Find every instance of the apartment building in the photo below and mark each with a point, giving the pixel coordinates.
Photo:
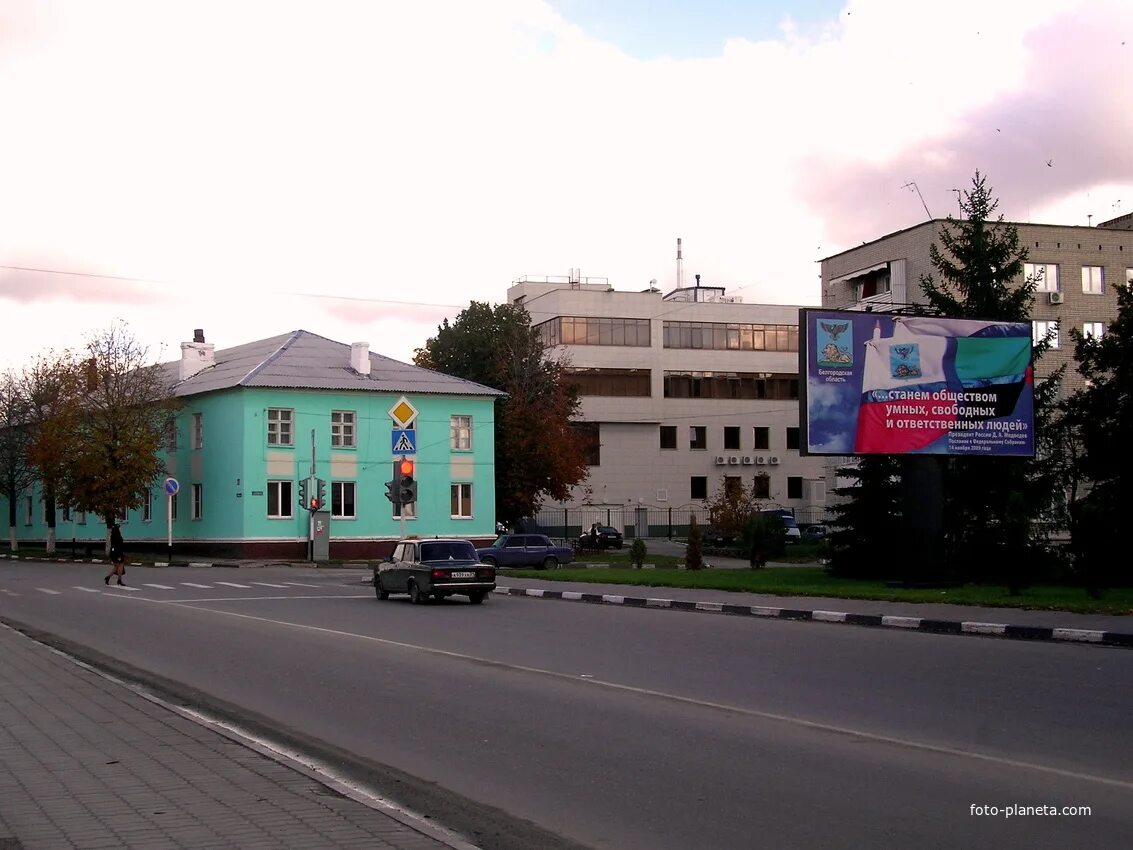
(1076, 268)
(683, 393)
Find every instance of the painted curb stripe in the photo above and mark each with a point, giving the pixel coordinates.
(901, 622)
(1084, 635)
(997, 629)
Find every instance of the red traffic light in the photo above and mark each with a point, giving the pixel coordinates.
(406, 466)
(314, 503)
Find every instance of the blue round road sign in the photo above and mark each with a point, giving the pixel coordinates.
(171, 487)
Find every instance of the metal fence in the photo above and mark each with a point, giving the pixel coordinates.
(636, 521)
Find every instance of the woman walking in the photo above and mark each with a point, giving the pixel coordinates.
(117, 554)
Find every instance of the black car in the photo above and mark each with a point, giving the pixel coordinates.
(608, 538)
(433, 569)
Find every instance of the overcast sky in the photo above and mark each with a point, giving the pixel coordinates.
(363, 170)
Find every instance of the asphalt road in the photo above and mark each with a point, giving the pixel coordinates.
(543, 722)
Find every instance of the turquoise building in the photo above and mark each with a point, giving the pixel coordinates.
(259, 419)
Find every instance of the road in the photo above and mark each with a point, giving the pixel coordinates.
(609, 727)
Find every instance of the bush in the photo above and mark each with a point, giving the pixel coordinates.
(764, 537)
(694, 557)
(637, 553)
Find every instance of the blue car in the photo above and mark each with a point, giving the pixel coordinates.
(525, 550)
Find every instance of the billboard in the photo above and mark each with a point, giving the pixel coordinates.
(883, 383)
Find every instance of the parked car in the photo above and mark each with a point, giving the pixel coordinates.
(715, 537)
(790, 525)
(434, 569)
(608, 538)
(815, 534)
(525, 550)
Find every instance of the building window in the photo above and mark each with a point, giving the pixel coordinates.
(279, 500)
(1041, 330)
(280, 427)
(147, 507)
(794, 487)
(731, 385)
(342, 499)
(761, 487)
(1129, 276)
(461, 498)
(1093, 330)
(793, 438)
(173, 507)
(1045, 276)
(197, 508)
(698, 487)
(698, 437)
(1092, 279)
(28, 511)
(198, 431)
(732, 437)
(762, 438)
(668, 436)
(721, 336)
(733, 486)
(593, 330)
(82, 517)
(66, 514)
(122, 515)
(616, 383)
(407, 511)
(460, 433)
(342, 429)
(171, 436)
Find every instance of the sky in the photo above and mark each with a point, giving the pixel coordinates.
(363, 170)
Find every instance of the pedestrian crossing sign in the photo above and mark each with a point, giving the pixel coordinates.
(404, 441)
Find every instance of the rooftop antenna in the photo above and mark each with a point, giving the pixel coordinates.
(1089, 220)
(680, 266)
(913, 183)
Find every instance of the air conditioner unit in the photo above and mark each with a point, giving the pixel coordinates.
(774, 459)
(721, 460)
(733, 460)
(1055, 297)
(747, 460)
(761, 459)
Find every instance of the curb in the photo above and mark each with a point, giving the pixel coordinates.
(919, 624)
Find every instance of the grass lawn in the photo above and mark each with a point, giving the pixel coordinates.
(808, 581)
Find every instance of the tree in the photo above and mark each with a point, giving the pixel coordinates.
(694, 552)
(733, 506)
(16, 473)
(1101, 415)
(867, 518)
(122, 416)
(538, 452)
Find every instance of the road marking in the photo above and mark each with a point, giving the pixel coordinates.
(45, 590)
(160, 586)
(298, 584)
(938, 749)
(10, 593)
(234, 584)
(86, 589)
(269, 584)
(125, 587)
(193, 584)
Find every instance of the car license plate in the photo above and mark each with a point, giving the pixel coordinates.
(462, 574)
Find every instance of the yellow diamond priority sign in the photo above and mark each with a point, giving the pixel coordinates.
(403, 413)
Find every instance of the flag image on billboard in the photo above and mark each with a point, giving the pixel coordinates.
(879, 383)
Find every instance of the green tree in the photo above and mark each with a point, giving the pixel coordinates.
(694, 551)
(539, 453)
(17, 475)
(122, 416)
(732, 507)
(637, 552)
(866, 519)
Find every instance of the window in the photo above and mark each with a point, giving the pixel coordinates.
(342, 499)
(698, 487)
(28, 511)
(408, 511)
(1129, 276)
(66, 517)
(761, 487)
(342, 429)
(147, 507)
(279, 500)
(593, 330)
(730, 385)
(461, 497)
(173, 507)
(794, 487)
(1041, 330)
(122, 514)
(1094, 330)
(732, 437)
(198, 431)
(171, 436)
(82, 517)
(721, 336)
(697, 437)
(280, 427)
(668, 436)
(733, 486)
(793, 438)
(615, 383)
(1044, 275)
(197, 508)
(460, 433)
(762, 438)
(1092, 279)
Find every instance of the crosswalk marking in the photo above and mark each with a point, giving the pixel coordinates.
(160, 586)
(125, 587)
(234, 584)
(300, 584)
(10, 593)
(86, 589)
(46, 590)
(194, 584)
(269, 584)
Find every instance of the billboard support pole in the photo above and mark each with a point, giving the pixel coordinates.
(922, 482)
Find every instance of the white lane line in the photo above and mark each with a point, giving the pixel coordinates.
(269, 584)
(193, 584)
(234, 584)
(299, 584)
(86, 589)
(160, 586)
(10, 593)
(46, 590)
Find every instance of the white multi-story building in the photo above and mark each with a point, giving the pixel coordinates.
(684, 394)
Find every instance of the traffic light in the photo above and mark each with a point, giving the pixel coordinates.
(322, 493)
(303, 492)
(391, 491)
(407, 484)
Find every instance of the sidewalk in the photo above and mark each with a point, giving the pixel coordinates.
(86, 762)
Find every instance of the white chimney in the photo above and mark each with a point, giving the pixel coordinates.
(196, 355)
(360, 357)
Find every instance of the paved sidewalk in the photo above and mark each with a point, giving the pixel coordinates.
(85, 762)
